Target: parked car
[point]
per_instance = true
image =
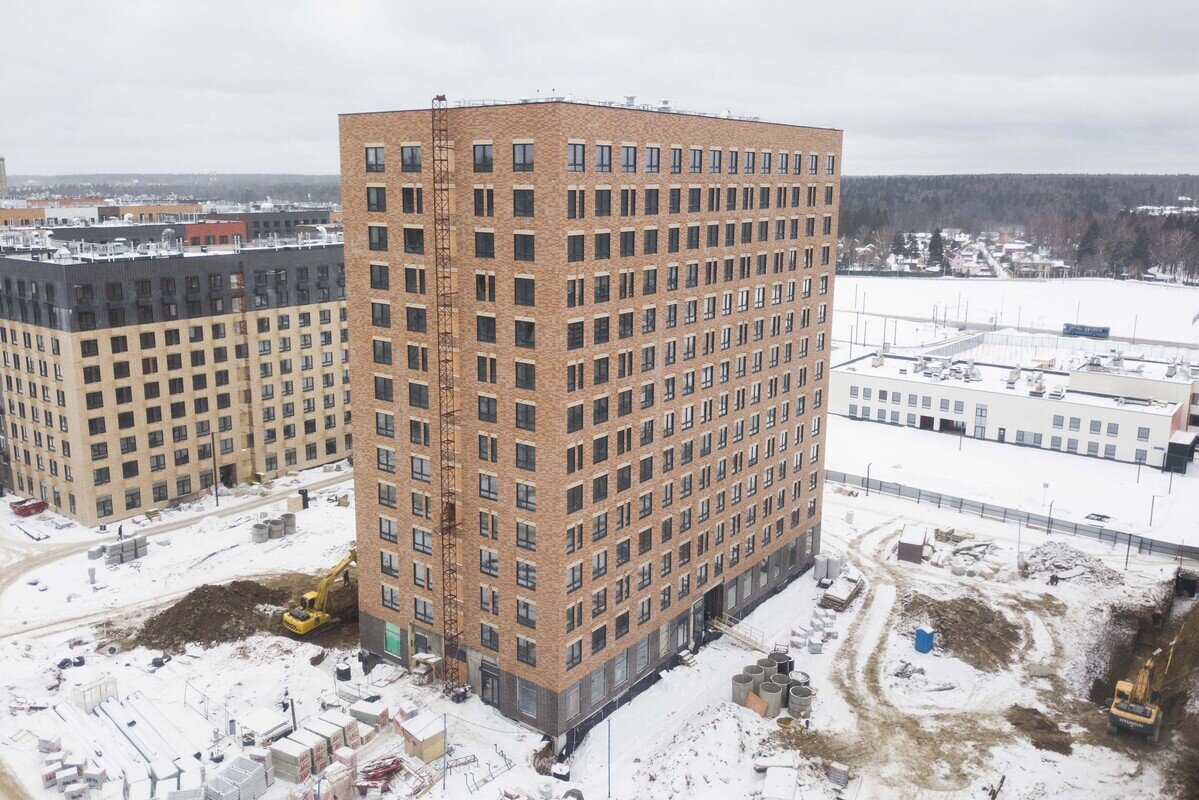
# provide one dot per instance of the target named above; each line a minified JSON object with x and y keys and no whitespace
{"x":27,"y":508}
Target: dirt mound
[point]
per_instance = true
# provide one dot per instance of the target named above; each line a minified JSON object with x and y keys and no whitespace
{"x":1059,"y":558}
{"x":1043,"y":732}
{"x":966,"y":628}
{"x":212,"y":614}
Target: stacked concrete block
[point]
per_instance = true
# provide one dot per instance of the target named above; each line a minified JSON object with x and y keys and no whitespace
{"x":292,"y":760}
{"x":338,"y":783}
{"x":347,"y":723}
{"x":334,"y":736}
{"x":125,"y":550}
{"x":263,"y":756}
{"x":317,"y":745}
{"x":65,"y":775}
{"x":95,"y":553}
{"x":76,"y":791}
{"x":374,"y":714}
{"x":365,"y":734}
{"x":303,"y":791}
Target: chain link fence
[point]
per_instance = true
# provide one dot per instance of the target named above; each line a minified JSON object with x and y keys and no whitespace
{"x":1131,"y":541}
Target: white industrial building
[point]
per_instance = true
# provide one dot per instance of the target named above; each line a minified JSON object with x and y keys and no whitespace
{"x":1105,"y":406}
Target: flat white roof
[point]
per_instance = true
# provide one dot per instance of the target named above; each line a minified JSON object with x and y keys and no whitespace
{"x":993,"y":380}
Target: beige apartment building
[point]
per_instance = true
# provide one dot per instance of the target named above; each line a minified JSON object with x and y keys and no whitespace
{"x":639,"y":352}
{"x":135,"y":380}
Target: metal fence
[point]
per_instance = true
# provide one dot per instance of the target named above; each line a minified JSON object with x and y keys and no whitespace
{"x":1131,"y":541}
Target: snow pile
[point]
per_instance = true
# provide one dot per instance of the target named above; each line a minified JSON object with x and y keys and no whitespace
{"x":1058,"y":558}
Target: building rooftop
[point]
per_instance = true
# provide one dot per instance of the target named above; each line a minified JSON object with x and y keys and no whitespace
{"x":1049,"y":385}
{"x":628,"y":104}
{"x":69,"y":253}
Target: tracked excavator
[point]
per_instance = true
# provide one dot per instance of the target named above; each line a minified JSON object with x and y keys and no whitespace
{"x":311,"y":613}
{"x":1136,"y":705}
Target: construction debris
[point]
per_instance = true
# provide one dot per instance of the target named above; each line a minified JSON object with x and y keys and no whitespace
{"x":1067,"y":563}
{"x":845,"y":587}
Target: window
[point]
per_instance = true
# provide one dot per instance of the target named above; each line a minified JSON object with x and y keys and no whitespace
{"x":628,"y":158}
{"x":603,"y":158}
{"x":526,"y":496}
{"x":526,"y":652}
{"x":524,"y":291}
{"x":376,"y":198}
{"x":576,"y":157}
{"x":522,"y":246}
{"x":377,"y":238}
{"x":374,"y":159}
{"x":379,"y":277}
{"x":526,"y":333}
{"x":483,"y":158}
{"x":484,"y":244}
{"x":410,"y":158}
{"x":522,"y":202}
{"x":522,"y":157}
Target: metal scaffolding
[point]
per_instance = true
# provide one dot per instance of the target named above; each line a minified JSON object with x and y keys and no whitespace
{"x":447,"y":521}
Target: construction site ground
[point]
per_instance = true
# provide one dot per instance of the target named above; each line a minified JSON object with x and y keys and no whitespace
{"x":974,"y":716}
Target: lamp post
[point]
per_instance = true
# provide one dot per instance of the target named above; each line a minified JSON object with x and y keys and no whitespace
{"x":1152,"y":501}
{"x":1049,"y":520}
{"x":868,"y":466}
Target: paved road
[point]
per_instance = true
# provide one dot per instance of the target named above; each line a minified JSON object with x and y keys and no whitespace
{"x":30,"y":558}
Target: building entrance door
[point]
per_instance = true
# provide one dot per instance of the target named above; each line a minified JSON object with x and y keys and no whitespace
{"x":491,"y":684}
{"x":1002,"y":434}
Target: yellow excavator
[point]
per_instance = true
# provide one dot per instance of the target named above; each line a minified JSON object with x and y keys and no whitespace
{"x":1136,"y":705}
{"x":311,"y":613}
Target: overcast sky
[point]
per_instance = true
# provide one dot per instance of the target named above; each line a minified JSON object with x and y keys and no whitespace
{"x":918,"y":87}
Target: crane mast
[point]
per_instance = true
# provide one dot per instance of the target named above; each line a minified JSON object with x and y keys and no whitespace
{"x":447,"y":520}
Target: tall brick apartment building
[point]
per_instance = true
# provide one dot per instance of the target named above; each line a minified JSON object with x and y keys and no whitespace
{"x":641,"y":346}
{"x":122,"y":371}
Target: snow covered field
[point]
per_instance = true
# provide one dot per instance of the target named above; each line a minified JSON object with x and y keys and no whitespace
{"x":871,"y":331}
{"x":1013,"y":476}
{"x":1156,"y":311}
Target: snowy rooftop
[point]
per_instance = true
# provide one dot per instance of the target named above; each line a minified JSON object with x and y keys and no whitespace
{"x":1048,"y":385}
{"x":70,"y":253}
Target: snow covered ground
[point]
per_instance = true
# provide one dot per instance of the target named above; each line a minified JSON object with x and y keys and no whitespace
{"x":870,"y":331}
{"x":1013,"y":476}
{"x":212,"y":550}
{"x":1155,"y":311}
{"x":940,"y":734}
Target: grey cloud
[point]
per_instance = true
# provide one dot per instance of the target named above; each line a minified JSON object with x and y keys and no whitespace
{"x":930,"y":87}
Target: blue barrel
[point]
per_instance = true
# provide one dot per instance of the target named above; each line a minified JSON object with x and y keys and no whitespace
{"x":924,"y":640}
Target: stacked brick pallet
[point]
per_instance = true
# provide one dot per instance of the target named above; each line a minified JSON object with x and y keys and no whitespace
{"x":292,"y":760}
{"x":120,"y":552}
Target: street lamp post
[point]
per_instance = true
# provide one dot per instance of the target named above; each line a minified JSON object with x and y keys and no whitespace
{"x":1049,"y":520}
{"x":868,"y":466}
{"x":1152,"y":502}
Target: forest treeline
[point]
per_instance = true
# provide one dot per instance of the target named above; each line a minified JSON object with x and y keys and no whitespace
{"x":1082,"y":219}
{"x":236,"y":188}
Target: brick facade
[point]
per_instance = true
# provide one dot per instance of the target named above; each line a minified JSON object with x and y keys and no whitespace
{"x":708,"y":350}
